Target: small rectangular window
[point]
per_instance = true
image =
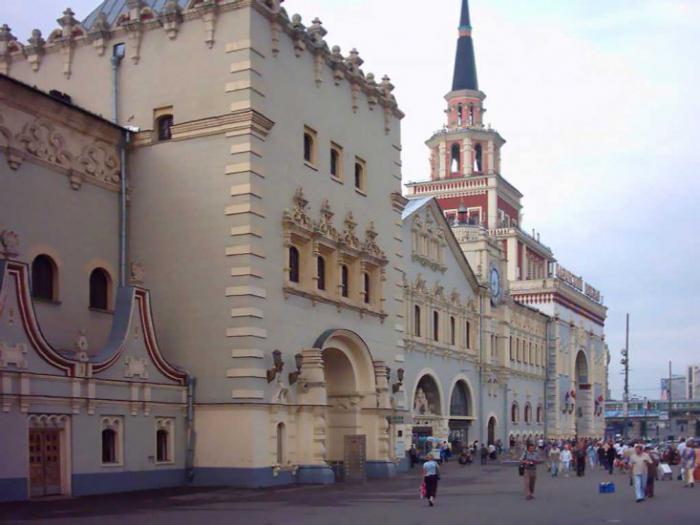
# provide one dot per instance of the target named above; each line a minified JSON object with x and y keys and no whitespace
{"x":165,"y":430}
{"x":163,"y":122}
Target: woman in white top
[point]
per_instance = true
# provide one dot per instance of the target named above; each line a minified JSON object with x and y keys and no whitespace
{"x":566,"y":460}
{"x":431,"y":475}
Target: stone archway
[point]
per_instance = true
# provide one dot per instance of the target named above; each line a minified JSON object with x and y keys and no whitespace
{"x":348,"y":371}
{"x":460,"y":415}
{"x":584,"y":410}
{"x":428,"y":420}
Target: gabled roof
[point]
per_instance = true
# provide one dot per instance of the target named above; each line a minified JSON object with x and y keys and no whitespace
{"x":113,"y":8}
{"x":415,"y":205}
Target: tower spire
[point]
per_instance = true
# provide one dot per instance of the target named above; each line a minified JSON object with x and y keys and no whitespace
{"x":465,"y":61}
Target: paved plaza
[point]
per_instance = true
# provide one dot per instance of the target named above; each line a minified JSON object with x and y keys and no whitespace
{"x":473,"y":495}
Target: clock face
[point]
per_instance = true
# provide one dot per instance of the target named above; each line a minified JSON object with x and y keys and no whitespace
{"x":495,"y":283}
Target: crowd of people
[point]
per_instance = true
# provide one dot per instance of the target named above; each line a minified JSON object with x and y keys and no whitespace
{"x":643,"y":463}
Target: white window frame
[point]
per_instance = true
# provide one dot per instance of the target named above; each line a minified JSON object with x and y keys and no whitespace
{"x":167,"y":424}
{"x":115,"y":423}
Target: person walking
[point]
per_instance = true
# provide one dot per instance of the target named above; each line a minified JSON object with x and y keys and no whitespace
{"x":652,"y":470}
{"x":484,"y":454}
{"x":639,"y":464}
{"x":611,"y":455}
{"x":566,"y":460}
{"x":592,"y":455}
{"x":529,"y":461}
{"x":688,"y":463}
{"x":580,"y":460}
{"x":413,"y":454}
{"x":681,"y":449}
{"x":431,"y":476}
{"x":554,"y":459}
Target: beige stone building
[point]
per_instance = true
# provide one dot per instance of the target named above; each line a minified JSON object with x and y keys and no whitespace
{"x":325,"y":323}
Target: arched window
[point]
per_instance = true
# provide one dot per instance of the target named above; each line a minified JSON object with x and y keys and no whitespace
{"x":540,"y":419}
{"x":293,"y":264}
{"x":321,"y":272}
{"x":456,"y":160}
{"x":478,"y":158}
{"x":515,"y":413}
{"x":308,"y":147}
{"x":436,"y":326}
{"x":281,"y":452}
{"x":452,"y":331}
{"x":44,"y":274}
{"x":344,"y":281}
{"x":468,"y":335}
{"x":336,"y":170}
{"x":367,"y":285}
{"x":99,"y":289}
{"x":528,"y":413}
{"x":459,"y":115}
{"x":360,"y":174}
{"x":162,"y":448}
{"x":510,"y":348}
{"x":471,"y":115}
{"x":416,"y":320}
{"x":531,"y":359}
{"x":109,"y":446}
{"x":164,"y":125}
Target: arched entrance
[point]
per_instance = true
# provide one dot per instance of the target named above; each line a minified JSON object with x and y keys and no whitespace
{"x":491,"y":431}
{"x":460,"y":416}
{"x":583,"y":396}
{"x":348,"y":372}
{"x":427,"y":413}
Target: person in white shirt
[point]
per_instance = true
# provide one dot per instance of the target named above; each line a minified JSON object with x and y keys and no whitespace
{"x":681,"y":448}
{"x":566,"y":460}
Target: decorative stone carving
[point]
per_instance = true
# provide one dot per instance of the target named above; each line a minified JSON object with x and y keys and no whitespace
{"x":81,"y":343}
{"x":370,"y":245}
{"x":338,"y":63}
{"x":372,"y":92}
{"x":209,"y":11}
{"x":135,"y":367}
{"x":316,"y":33}
{"x":9,"y":241}
{"x":136,"y":273}
{"x":35,"y":49}
{"x":171,"y":18}
{"x":100,"y":161}
{"x":65,"y":37}
{"x":325,"y":225}
{"x":8,"y":46}
{"x":13,"y":355}
{"x":40,"y":139}
{"x":353,"y":63}
{"x":100,"y":33}
{"x":299,"y":214}
{"x":298,"y":34}
{"x":349,"y":237}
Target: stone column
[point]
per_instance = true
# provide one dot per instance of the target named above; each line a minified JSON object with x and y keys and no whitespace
{"x":312,"y":420}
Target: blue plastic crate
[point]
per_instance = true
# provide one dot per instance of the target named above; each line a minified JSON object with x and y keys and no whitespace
{"x":606,"y":488}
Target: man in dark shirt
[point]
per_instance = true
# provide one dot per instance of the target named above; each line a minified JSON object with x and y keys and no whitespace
{"x":529,"y":460}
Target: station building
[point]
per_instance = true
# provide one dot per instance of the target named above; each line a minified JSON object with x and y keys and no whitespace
{"x":201,"y":285}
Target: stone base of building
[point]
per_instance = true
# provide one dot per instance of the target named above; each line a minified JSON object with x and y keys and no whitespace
{"x":113,"y":482}
{"x":13,"y":489}
{"x":380,"y":469}
{"x":249,"y":478}
{"x":315,"y":475}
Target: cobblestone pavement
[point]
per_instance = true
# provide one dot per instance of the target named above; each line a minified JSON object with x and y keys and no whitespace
{"x":472,"y":495}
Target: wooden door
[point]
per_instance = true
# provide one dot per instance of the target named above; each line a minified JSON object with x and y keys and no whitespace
{"x":44,"y":462}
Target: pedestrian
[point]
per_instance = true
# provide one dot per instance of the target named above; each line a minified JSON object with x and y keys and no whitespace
{"x":492,"y":452}
{"x":652,"y":470}
{"x":499,"y":447}
{"x":484,"y":452}
{"x":529,"y":461}
{"x":554,"y":459}
{"x":592,"y":455}
{"x":444,"y":450}
{"x":413,"y":454}
{"x":566,"y":460}
{"x":602,"y":458}
{"x":639,"y":464}
{"x":580,"y":460}
{"x":681,"y":448}
{"x":611,"y":457}
{"x":431,"y":476}
{"x":688,"y":463}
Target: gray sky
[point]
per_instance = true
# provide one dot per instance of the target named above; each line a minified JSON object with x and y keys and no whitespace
{"x":598,"y":102}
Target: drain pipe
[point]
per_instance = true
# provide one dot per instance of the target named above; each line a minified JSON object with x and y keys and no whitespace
{"x":547,"y":376}
{"x":117,"y":56}
{"x":189,"y":453}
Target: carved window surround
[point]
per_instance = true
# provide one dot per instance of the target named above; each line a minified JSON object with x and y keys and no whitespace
{"x":338,"y":248}
{"x":428,"y":243}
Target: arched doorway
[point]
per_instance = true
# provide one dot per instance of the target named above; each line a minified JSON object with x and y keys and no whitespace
{"x":491,"y":431}
{"x":350,"y":386}
{"x":582,"y":415}
{"x":427,"y":414}
{"x":460,"y":416}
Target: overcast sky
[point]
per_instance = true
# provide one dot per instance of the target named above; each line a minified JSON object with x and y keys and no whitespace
{"x":598,"y":100}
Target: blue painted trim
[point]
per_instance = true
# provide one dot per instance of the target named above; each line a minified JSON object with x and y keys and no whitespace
{"x":13,"y":489}
{"x":315,"y":475}
{"x":380,"y":469}
{"x":109,"y":482}
{"x":242,"y":477}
